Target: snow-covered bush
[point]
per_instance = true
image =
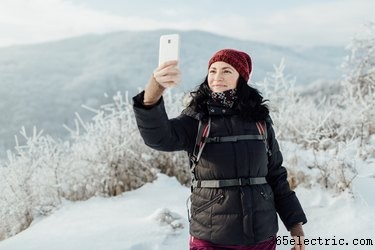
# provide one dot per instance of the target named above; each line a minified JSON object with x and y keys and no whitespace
{"x":297,"y":118}
{"x":329,"y":123}
{"x":172,"y":164}
{"x":314,"y":122}
{"x":108,"y":154}
{"x":30,"y":185}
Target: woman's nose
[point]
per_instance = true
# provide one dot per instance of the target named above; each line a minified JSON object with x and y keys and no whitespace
{"x":218,"y":76}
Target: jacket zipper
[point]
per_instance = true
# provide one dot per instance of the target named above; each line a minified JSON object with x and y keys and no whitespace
{"x":208,"y":204}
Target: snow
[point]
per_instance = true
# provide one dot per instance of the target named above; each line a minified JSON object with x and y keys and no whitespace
{"x":152,"y":217}
{"x":155,"y":217}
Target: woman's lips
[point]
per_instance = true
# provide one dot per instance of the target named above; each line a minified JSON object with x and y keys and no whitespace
{"x":219,"y":85}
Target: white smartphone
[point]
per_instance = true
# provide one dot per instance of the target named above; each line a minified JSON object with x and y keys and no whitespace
{"x":169,"y":48}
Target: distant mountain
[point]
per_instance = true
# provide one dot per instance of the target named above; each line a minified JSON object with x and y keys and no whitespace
{"x":44,"y":84}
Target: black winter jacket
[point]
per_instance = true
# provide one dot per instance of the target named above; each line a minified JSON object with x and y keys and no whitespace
{"x":240,"y":215}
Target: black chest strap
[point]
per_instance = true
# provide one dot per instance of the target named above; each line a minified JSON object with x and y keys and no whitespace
{"x":234,"y":138}
{"x":228,"y":182}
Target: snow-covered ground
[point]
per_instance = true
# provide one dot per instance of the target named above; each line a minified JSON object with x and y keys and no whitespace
{"x":155,"y":217}
{"x":152,"y":217}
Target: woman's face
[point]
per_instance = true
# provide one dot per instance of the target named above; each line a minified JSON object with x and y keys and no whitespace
{"x":222,"y":76}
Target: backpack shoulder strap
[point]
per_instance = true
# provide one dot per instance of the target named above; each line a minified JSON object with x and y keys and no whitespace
{"x":200,"y":142}
{"x":262,"y":128}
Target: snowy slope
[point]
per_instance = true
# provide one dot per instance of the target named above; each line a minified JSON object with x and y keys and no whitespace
{"x":135,"y":220}
{"x":155,"y":217}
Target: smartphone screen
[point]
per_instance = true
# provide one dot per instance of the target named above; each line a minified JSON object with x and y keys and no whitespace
{"x":169,"y":48}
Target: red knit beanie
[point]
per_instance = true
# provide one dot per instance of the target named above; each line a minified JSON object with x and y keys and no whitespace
{"x":237,"y":59}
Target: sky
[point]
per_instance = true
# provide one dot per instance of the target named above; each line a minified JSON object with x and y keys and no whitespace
{"x":287,"y":22}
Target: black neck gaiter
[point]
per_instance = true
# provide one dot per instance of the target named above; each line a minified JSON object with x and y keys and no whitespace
{"x":227,"y":98}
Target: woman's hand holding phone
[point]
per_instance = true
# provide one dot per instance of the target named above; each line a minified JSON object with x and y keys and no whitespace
{"x":165,"y":76}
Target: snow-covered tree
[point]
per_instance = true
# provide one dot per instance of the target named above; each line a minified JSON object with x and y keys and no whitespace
{"x":360,"y":64}
{"x":358,"y":95}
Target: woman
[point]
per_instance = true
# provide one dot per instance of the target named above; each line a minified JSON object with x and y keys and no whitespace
{"x":238,"y":182}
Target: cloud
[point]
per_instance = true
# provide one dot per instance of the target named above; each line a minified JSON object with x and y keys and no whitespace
{"x":39,"y":20}
{"x":323,"y":23}
{"x":331,"y":22}
{"x":26,"y":21}
{"x":328,"y":23}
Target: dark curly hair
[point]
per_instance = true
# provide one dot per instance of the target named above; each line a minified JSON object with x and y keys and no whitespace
{"x":250,"y":105}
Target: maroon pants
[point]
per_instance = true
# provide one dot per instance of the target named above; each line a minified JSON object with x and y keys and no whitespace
{"x":197,"y":244}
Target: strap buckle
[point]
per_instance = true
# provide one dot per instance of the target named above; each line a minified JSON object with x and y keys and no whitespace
{"x":244,"y":181}
{"x":195,"y":183}
{"x":214,"y":139}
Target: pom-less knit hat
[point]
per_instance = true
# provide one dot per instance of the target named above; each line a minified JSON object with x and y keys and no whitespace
{"x":237,"y":59}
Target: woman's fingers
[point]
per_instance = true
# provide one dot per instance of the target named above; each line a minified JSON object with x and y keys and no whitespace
{"x":167,"y":75}
{"x":168,"y":63}
{"x":172,"y":76}
{"x":167,"y":71}
{"x":168,"y":81}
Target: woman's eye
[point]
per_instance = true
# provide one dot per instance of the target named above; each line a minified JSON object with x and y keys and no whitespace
{"x":212,"y":71}
{"x":227,"y":71}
